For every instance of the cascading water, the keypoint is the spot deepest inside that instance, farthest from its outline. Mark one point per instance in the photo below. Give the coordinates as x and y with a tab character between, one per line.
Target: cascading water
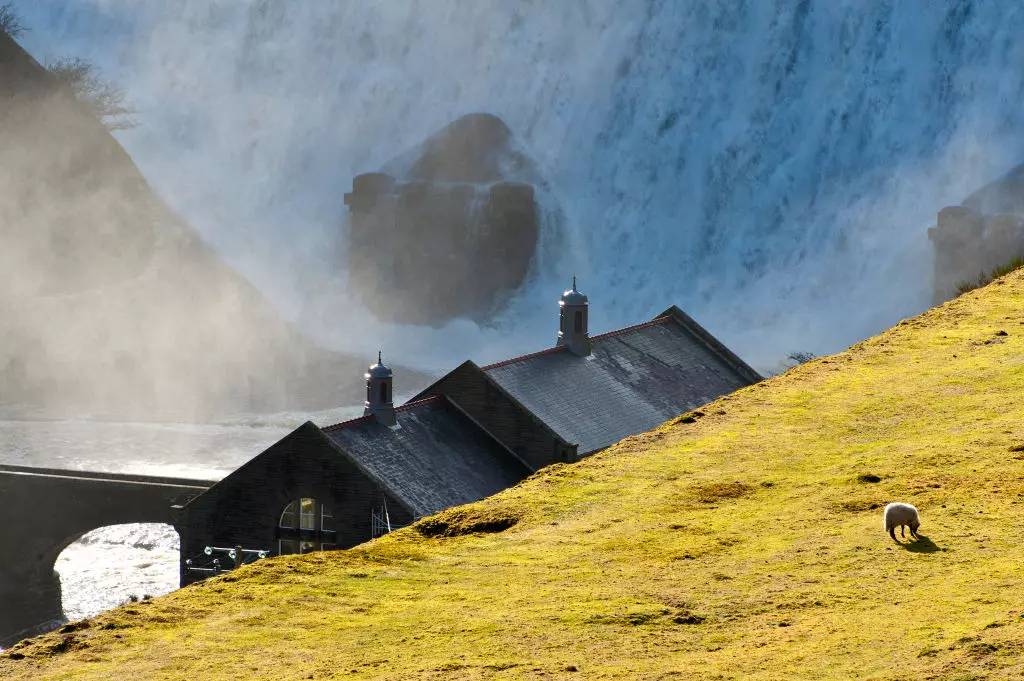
771	167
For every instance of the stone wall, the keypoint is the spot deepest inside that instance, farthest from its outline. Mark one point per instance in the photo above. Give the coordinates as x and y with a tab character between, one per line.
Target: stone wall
245	508
506	419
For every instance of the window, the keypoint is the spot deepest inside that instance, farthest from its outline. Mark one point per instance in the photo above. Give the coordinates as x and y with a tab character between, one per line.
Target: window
288	516
579	322
326	519
383	393
305	525
308	517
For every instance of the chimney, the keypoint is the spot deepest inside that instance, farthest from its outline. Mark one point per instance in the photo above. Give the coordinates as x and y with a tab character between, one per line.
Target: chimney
574	310
378	393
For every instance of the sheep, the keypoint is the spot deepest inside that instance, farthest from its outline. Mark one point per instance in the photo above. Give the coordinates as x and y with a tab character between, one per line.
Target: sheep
898	514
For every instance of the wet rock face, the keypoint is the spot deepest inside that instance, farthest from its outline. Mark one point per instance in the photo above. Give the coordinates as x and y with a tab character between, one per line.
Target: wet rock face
449	230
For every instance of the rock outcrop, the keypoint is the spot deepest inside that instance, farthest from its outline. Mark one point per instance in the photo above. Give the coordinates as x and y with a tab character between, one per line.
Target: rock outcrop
110	305
447	230
982	234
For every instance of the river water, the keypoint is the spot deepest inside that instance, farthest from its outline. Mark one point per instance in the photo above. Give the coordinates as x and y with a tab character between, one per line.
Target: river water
111	564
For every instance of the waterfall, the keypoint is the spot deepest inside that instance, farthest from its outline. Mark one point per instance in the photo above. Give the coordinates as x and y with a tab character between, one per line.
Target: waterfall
771	167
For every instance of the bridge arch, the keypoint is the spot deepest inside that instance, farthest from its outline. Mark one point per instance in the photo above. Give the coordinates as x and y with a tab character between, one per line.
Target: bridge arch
75	503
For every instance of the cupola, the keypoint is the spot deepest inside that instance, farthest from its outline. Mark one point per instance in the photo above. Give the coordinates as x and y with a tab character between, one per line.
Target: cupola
379	400
574	310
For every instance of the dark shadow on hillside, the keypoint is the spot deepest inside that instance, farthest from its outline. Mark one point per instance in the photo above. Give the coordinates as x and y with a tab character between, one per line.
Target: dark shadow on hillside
922	545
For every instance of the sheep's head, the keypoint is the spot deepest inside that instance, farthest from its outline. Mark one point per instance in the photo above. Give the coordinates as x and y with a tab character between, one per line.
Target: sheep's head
914	524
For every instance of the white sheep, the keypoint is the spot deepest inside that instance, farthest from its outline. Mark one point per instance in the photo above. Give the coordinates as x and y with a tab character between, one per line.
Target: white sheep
898	514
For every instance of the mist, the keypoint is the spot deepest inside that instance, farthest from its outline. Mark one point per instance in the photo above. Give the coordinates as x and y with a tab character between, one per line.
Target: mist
771	168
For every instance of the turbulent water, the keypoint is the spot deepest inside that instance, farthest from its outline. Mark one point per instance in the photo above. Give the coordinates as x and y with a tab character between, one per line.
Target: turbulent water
769	166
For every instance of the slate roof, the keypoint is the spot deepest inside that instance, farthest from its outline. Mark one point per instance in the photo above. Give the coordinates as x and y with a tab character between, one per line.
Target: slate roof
634	379
437	458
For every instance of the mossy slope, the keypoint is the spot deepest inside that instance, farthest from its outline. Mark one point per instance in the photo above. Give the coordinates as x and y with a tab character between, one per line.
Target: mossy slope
742	542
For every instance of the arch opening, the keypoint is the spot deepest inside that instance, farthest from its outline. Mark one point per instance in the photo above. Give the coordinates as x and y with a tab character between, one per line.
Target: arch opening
111	565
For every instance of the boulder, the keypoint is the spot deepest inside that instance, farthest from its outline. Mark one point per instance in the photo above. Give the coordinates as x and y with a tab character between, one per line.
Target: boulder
448	229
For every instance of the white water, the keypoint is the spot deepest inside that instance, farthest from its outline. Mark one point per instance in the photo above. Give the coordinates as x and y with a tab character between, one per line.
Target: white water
769	166
110	565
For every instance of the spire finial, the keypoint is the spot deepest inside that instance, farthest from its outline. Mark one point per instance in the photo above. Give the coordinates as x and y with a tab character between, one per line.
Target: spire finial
379	360
574	282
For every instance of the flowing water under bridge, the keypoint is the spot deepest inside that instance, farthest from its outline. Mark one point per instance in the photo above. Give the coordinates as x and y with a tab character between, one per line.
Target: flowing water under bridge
43	510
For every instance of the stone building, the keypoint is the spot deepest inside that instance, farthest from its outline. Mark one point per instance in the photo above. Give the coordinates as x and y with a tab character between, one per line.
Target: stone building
476	431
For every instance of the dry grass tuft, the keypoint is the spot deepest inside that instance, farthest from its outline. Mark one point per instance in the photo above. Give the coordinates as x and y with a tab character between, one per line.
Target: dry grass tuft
466	520
717	491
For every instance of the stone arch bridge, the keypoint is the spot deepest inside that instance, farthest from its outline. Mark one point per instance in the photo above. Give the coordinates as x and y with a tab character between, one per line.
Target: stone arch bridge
43	510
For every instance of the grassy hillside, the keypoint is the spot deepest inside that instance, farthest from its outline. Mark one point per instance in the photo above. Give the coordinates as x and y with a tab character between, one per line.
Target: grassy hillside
744	541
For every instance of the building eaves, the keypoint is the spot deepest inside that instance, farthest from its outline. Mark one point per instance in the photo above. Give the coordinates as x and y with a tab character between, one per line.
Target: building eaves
700	333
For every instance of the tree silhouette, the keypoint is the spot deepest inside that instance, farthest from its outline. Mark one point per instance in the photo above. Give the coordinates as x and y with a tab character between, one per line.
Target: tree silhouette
104	99
10	20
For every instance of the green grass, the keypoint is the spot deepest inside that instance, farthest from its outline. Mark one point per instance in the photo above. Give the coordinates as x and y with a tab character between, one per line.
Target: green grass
743	541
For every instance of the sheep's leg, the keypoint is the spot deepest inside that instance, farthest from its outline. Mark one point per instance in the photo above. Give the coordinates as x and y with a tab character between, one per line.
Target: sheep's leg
892	532
903	531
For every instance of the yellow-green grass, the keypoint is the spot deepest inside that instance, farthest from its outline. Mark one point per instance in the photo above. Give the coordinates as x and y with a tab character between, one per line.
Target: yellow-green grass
743	541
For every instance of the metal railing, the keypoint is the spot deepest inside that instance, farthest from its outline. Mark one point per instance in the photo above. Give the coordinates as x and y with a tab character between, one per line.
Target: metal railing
236	557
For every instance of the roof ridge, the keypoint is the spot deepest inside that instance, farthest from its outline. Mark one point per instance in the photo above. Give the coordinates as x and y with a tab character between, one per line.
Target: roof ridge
652	322
405	407
417	403
608	334
350	422
522	357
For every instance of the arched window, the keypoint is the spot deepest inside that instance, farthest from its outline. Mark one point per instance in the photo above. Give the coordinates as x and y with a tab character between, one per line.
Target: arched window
383	393
579	322
288	516
305	525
